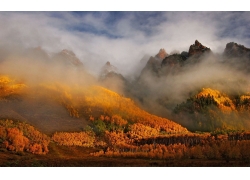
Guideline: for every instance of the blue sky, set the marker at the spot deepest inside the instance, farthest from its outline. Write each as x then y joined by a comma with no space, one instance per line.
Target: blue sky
122,38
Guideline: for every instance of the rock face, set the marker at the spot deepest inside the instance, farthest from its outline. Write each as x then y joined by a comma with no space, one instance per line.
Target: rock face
112,79
161,54
107,68
197,49
152,67
173,60
236,50
68,57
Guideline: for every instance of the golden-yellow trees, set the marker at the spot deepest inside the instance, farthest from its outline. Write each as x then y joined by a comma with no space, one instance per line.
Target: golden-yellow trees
223,101
138,130
9,86
118,120
84,139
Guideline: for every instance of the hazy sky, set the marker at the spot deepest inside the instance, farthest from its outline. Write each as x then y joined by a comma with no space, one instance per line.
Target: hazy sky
122,38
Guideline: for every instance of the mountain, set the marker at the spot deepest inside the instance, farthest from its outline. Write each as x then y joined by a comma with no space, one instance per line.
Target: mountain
161,54
110,78
60,107
36,54
152,68
197,49
172,63
106,69
234,50
210,110
68,57
163,64
153,64
157,71
193,77
52,104
35,105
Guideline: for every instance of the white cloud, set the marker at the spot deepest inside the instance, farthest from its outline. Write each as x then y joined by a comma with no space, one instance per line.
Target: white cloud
171,30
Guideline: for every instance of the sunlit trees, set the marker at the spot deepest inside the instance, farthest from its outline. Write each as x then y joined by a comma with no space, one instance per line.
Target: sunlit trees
138,130
9,87
84,139
16,139
96,102
20,137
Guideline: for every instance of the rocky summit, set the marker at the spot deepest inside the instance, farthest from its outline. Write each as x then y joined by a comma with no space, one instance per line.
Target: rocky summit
236,50
161,54
197,49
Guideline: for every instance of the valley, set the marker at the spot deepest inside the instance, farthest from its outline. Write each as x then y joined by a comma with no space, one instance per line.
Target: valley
183,109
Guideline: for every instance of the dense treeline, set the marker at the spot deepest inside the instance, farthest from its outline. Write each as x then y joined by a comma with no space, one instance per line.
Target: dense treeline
84,139
194,139
183,147
19,137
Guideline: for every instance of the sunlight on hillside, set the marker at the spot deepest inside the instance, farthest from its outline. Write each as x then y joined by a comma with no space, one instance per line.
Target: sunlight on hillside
9,87
223,101
94,101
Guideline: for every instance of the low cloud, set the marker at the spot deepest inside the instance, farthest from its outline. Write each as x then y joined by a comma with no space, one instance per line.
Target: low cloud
122,38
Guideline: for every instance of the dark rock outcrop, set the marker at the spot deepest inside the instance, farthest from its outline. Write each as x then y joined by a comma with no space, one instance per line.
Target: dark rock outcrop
197,49
173,60
152,67
236,50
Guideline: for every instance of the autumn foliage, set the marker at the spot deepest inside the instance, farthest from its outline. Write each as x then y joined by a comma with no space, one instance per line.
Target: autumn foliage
9,87
95,102
20,137
190,146
84,139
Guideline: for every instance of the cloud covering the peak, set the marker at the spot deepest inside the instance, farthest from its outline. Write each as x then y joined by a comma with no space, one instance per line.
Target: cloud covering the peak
122,38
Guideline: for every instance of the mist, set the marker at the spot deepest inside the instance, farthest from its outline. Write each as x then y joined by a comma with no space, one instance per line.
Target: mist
122,38
30,43
161,94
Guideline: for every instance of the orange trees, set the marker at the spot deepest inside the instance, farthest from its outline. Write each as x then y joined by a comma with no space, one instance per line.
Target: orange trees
84,139
16,136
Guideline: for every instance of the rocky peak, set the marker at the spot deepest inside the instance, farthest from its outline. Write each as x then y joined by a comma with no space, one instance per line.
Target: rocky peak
197,48
108,68
69,57
108,63
161,54
68,52
151,61
174,60
236,50
38,53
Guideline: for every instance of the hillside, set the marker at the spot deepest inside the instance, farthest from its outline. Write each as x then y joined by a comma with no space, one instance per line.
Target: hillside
210,110
66,108
95,101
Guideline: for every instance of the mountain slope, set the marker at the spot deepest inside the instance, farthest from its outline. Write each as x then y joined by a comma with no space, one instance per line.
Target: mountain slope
95,101
61,107
210,110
